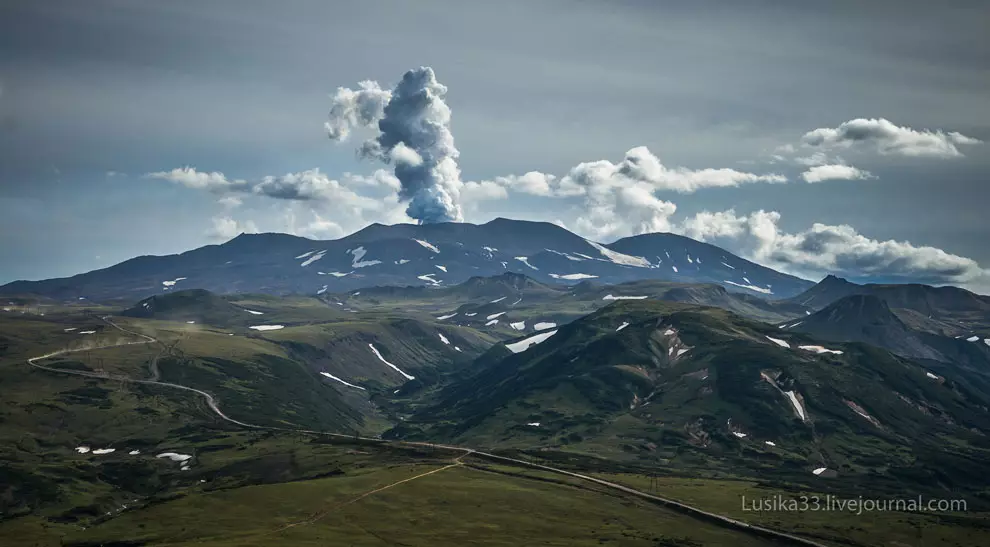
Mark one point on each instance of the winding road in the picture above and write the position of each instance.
(211, 401)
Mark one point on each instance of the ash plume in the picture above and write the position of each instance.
(413, 135)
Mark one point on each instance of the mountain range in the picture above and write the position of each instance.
(429, 255)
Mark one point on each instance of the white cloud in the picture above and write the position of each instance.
(818, 158)
(640, 165)
(821, 173)
(225, 228)
(317, 228)
(230, 202)
(191, 178)
(311, 185)
(823, 248)
(886, 138)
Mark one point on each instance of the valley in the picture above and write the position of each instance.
(414, 393)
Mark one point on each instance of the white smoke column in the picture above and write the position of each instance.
(361, 108)
(414, 136)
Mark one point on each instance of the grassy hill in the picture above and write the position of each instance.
(704, 389)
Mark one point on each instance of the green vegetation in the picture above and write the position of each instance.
(681, 401)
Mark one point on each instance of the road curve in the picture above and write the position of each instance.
(214, 406)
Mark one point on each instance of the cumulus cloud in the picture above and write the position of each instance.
(821, 173)
(225, 228)
(610, 213)
(317, 227)
(311, 185)
(230, 202)
(823, 248)
(413, 135)
(620, 199)
(640, 166)
(887, 138)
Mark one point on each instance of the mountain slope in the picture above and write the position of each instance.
(948, 311)
(418, 255)
(688, 260)
(868, 319)
(702, 387)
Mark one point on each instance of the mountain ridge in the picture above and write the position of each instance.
(411, 254)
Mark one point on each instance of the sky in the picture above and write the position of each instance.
(835, 137)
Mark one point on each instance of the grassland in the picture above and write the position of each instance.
(247, 487)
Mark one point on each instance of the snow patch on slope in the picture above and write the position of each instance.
(612, 297)
(573, 276)
(619, 258)
(397, 369)
(820, 349)
(796, 403)
(313, 258)
(525, 260)
(428, 245)
(332, 377)
(428, 278)
(779, 342)
(750, 287)
(358, 254)
(525, 343)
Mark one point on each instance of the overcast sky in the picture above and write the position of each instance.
(845, 137)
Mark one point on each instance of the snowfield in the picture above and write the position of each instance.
(525, 260)
(750, 287)
(428, 245)
(541, 326)
(796, 403)
(397, 369)
(574, 276)
(820, 349)
(779, 342)
(174, 456)
(611, 297)
(526, 343)
(172, 282)
(313, 258)
(429, 278)
(622, 326)
(619, 258)
(358, 254)
(332, 377)
(267, 327)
